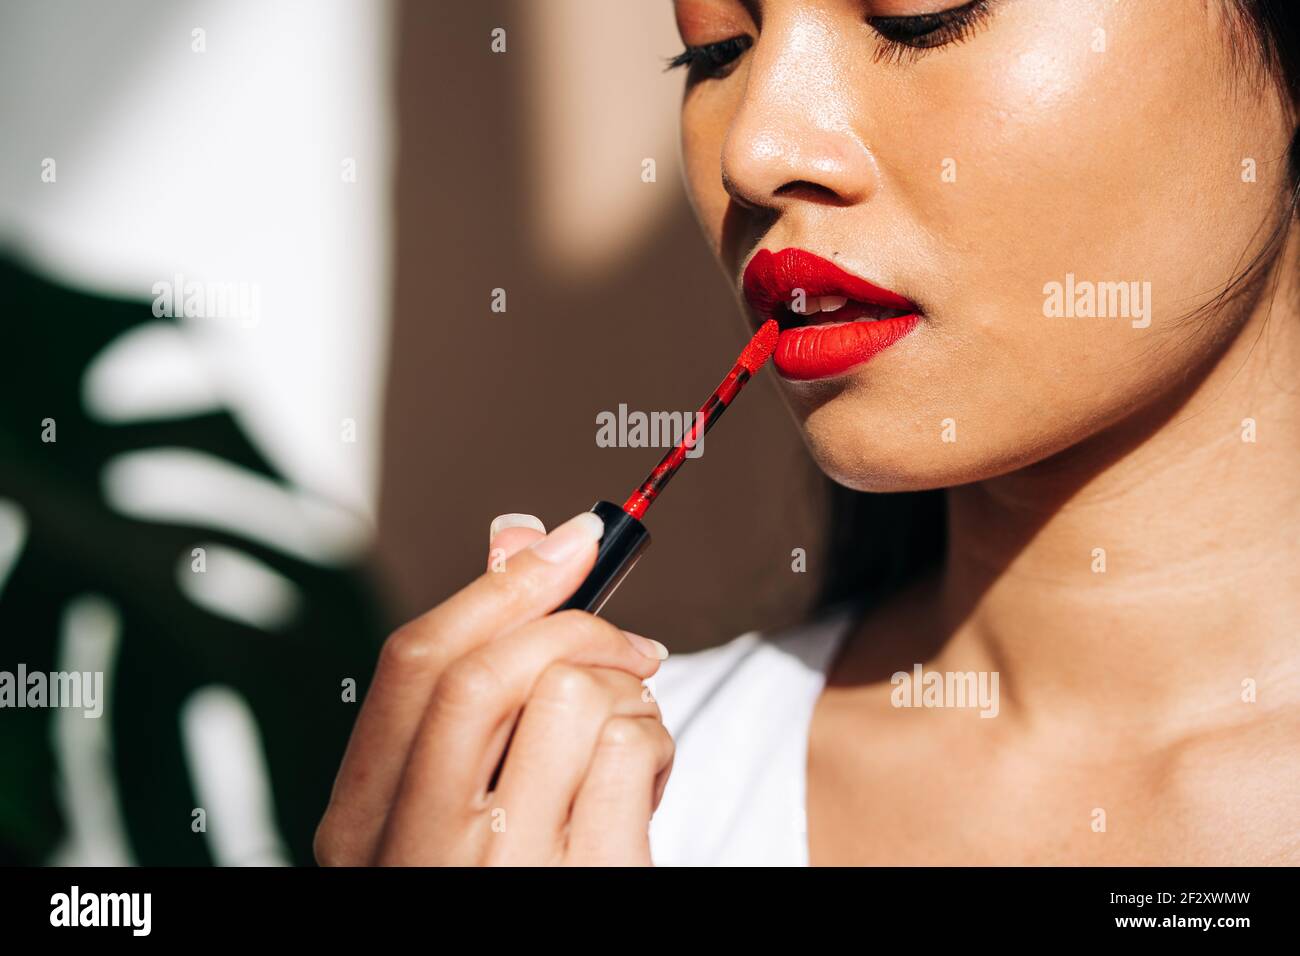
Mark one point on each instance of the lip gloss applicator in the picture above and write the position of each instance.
(625, 537)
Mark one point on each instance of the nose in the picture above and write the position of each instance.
(794, 136)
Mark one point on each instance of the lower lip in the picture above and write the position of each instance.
(813, 352)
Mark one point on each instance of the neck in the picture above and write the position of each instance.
(1145, 574)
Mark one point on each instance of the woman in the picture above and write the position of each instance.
(1034, 253)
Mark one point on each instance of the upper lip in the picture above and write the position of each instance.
(772, 279)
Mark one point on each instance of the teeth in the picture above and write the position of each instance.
(833, 303)
(814, 304)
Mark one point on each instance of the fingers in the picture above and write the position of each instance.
(573, 636)
(552, 750)
(510, 534)
(611, 814)
(534, 582)
(473, 707)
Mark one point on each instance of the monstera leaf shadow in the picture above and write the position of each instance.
(74, 543)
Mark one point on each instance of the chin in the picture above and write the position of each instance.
(863, 463)
(898, 455)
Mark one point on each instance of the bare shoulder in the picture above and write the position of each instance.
(1238, 789)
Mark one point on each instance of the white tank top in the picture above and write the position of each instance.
(739, 715)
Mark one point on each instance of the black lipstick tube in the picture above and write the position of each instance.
(624, 540)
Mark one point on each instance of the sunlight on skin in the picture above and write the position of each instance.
(1085, 138)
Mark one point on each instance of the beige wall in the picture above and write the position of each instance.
(523, 171)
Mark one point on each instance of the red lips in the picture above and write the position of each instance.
(870, 321)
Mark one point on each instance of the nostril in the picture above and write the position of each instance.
(811, 192)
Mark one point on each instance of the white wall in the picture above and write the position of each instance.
(222, 165)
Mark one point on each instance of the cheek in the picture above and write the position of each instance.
(1115, 156)
(706, 114)
(1114, 165)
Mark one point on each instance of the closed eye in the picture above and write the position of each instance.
(711, 60)
(907, 38)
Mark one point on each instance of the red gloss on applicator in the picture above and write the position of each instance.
(625, 537)
(760, 347)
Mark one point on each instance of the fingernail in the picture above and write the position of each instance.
(570, 538)
(501, 522)
(647, 646)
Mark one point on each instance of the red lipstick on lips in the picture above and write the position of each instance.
(854, 319)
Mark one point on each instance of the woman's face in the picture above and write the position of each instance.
(1056, 148)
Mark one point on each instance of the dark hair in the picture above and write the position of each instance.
(890, 539)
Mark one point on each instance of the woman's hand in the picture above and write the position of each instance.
(586, 764)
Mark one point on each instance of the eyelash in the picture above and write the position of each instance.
(915, 36)
(711, 59)
(912, 38)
